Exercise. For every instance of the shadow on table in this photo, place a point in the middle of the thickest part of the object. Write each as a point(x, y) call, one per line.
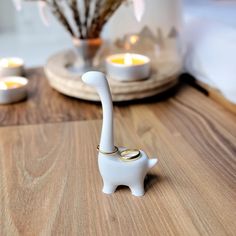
point(156, 98)
point(153, 99)
point(184, 79)
point(149, 182)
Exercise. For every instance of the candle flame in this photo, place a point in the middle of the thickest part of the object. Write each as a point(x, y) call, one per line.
point(128, 59)
point(4, 62)
point(3, 85)
point(10, 84)
point(10, 62)
point(133, 39)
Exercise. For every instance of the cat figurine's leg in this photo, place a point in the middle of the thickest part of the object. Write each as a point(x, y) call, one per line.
point(108, 188)
point(137, 189)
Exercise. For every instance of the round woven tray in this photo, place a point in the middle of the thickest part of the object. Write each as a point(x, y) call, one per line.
point(68, 83)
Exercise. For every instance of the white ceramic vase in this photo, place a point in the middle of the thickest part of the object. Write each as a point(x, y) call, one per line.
point(86, 50)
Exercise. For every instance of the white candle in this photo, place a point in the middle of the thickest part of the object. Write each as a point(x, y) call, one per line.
point(128, 67)
point(12, 89)
point(11, 66)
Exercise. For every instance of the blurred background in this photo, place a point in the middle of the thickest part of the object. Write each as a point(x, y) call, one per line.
point(23, 34)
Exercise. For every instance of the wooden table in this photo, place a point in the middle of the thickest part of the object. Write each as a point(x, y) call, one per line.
point(50, 185)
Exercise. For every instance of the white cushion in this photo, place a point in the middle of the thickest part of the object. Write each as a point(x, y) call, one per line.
point(210, 50)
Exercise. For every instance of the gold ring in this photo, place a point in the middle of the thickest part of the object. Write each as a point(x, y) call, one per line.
point(130, 155)
point(107, 153)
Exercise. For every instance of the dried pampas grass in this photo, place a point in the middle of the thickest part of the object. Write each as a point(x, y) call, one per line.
point(88, 17)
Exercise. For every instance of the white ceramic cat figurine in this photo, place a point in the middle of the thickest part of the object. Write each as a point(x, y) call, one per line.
point(117, 166)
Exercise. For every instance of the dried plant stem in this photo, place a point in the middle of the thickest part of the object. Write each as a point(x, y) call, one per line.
point(74, 9)
point(88, 18)
point(91, 30)
point(58, 12)
point(108, 10)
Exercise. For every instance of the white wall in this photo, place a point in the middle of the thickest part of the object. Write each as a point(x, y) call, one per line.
point(23, 34)
point(7, 16)
point(164, 14)
point(35, 42)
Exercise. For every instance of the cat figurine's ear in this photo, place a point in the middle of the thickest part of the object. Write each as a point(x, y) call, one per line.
point(152, 162)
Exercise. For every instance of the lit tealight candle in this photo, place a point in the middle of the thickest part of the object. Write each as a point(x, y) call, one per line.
point(11, 66)
point(12, 89)
point(128, 67)
point(9, 84)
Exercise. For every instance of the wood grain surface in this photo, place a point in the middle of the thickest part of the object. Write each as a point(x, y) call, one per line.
point(213, 93)
point(219, 97)
point(45, 105)
point(50, 183)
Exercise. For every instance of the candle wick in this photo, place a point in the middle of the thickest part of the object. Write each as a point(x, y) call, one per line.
point(128, 60)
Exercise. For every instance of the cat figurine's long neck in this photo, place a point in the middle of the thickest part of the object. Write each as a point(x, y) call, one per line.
point(99, 82)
